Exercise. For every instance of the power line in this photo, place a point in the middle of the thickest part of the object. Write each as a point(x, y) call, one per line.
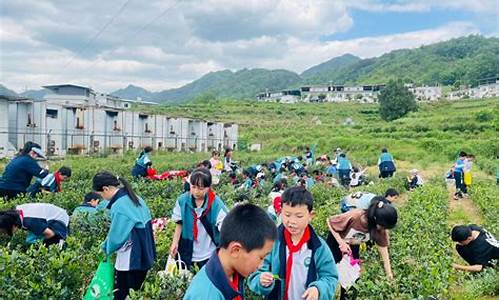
point(141, 29)
point(97, 35)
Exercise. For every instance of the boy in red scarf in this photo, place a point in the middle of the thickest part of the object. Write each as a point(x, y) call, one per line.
point(51, 183)
point(247, 236)
point(300, 265)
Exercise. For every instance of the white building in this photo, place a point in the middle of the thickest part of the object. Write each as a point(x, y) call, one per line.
point(230, 135)
point(6, 147)
point(76, 120)
point(215, 138)
point(482, 91)
point(425, 93)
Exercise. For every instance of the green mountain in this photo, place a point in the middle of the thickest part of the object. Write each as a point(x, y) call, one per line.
point(133, 92)
point(462, 60)
point(335, 64)
point(241, 84)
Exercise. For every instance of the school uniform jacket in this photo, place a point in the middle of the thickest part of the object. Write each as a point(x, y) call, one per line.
point(211, 283)
point(208, 221)
point(130, 234)
point(36, 217)
point(322, 271)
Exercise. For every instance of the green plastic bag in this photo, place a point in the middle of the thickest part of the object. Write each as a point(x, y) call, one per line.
point(101, 286)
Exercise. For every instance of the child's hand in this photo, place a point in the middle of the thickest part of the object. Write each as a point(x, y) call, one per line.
point(344, 248)
point(173, 249)
point(266, 279)
point(311, 293)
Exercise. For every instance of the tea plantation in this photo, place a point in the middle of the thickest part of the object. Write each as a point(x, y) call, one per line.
point(421, 249)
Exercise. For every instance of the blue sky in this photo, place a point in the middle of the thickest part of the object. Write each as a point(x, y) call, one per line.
point(369, 23)
point(162, 44)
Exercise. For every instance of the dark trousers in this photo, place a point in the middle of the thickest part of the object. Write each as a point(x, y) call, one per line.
point(344, 176)
point(52, 241)
point(459, 183)
point(337, 256)
point(386, 174)
point(10, 194)
point(125, 280)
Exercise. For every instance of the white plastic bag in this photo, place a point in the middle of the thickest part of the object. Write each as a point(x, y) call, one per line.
point(175, 267)
point(349, 271)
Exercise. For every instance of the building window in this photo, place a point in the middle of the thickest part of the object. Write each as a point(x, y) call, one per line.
point(51, 113)
point(172, 131)
point(30, 121)
point(79, 119)
point(115, 125)
point(146, 128)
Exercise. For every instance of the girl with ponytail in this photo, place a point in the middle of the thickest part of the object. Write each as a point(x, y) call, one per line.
point(130, 234)
point(357, 226)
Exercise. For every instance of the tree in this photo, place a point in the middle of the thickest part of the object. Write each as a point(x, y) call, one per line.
point(396, 101)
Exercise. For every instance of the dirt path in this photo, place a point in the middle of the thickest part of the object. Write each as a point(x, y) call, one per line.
point(462, 211)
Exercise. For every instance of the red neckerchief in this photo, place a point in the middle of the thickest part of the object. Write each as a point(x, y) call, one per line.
point(235, 284)
point(292, 249)
point(211, 198)
point(21, 215)
point(58, 180)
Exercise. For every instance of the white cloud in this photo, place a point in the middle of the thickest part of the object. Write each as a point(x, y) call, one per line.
point(185, 39)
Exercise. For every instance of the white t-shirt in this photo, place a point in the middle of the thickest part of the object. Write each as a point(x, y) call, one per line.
point(204, 247)
point(300, 268)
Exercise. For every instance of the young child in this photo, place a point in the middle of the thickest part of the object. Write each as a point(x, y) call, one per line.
point(247, 181)
point(228, 160)
point(247, 236)
point(350, 229)
point(458, 175)
point(51, 183)
point(130, 234)
point(357, 177)
point(300, 258)
point(198, 215)
point(142, 163)
point(386, 164)
point(217, 166)
point(415, 180)
point(92, 202)
point(476, 246)
point(344, 168)
point(42, 220)
point(468, 171)
point(391, 195)
point(274, 209)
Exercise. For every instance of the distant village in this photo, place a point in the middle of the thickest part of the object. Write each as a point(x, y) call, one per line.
point(78, 120)
point(369, 93)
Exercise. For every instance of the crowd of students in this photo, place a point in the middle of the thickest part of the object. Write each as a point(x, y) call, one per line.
point(277, 253)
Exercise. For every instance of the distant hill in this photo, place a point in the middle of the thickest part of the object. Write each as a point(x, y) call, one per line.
point(133, 92)
point(458, 61)
point(241, 84)
point(335, 64)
